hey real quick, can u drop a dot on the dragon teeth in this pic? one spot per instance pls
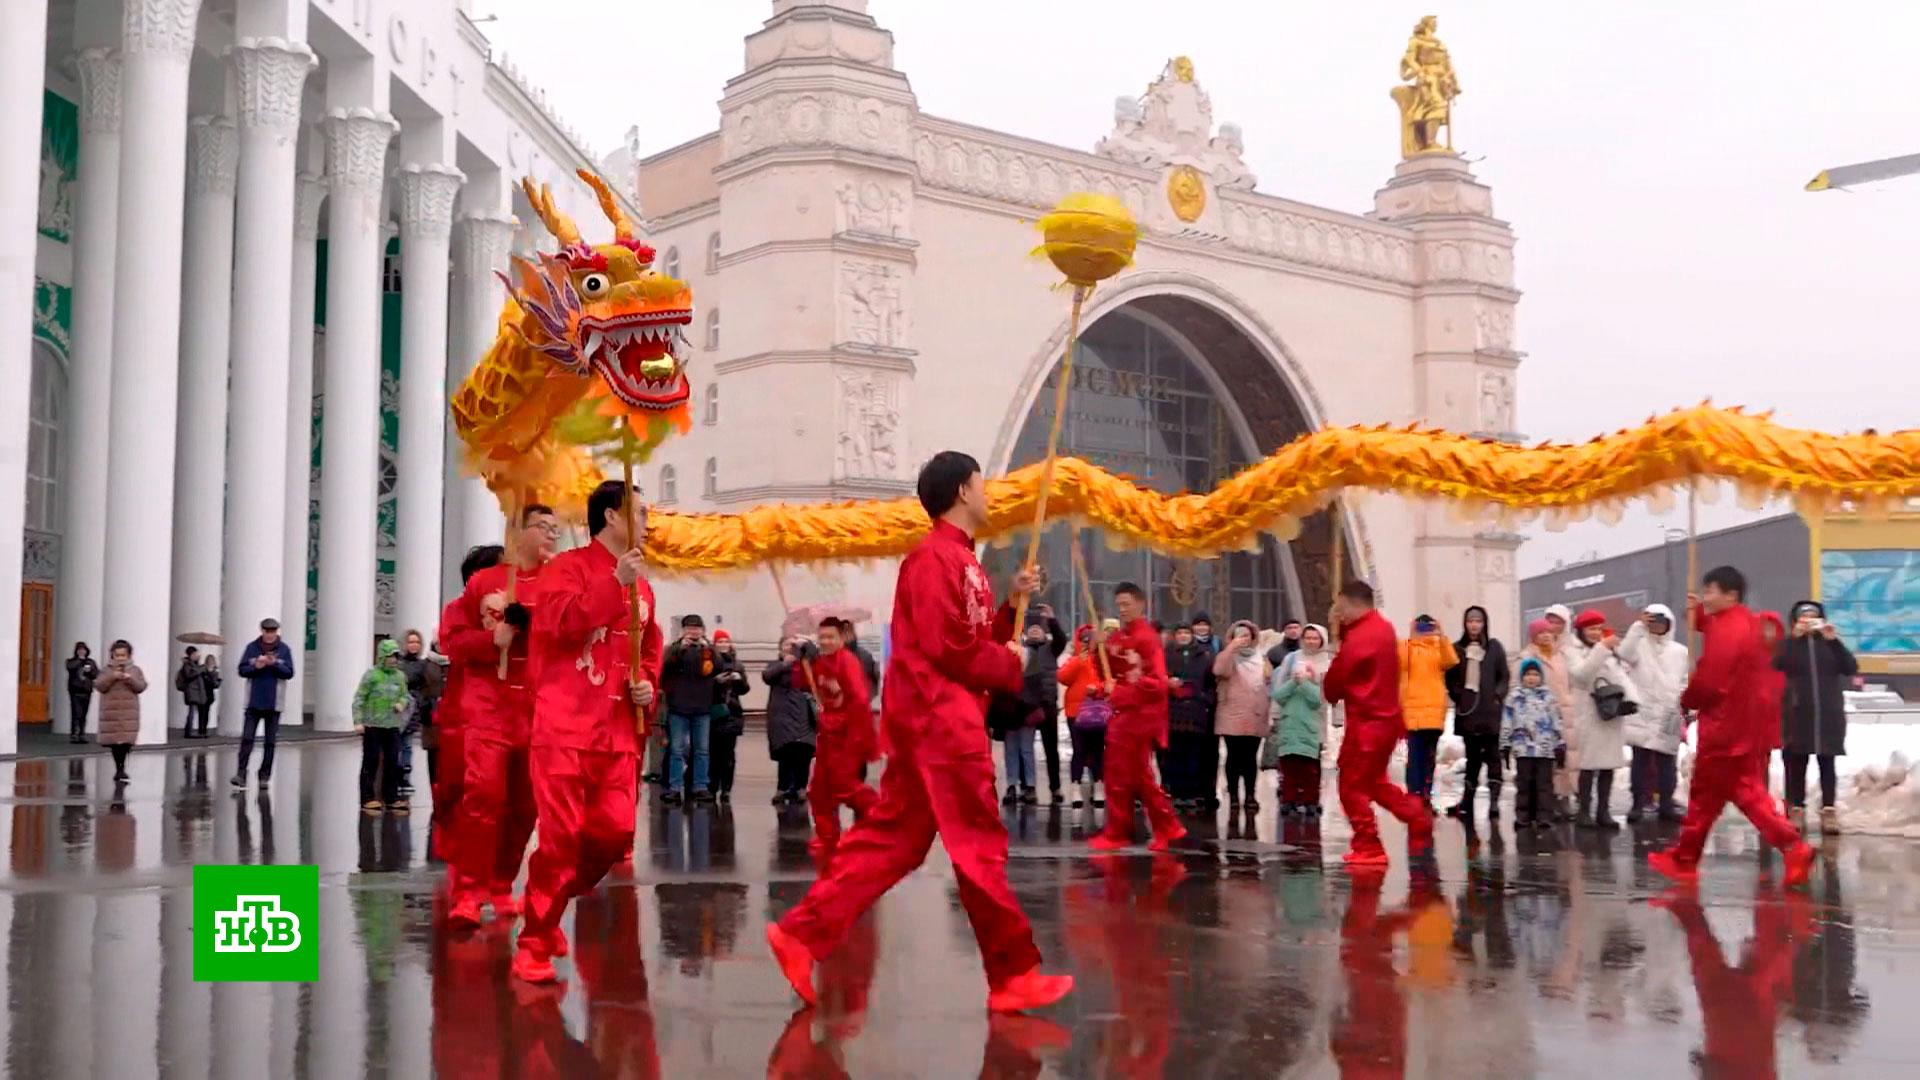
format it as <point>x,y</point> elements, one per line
<point>594,340</point>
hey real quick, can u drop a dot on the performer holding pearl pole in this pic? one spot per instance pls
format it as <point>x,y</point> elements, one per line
<point>947,654</point>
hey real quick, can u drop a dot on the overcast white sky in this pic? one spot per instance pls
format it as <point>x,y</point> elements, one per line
<point>1649,155</point>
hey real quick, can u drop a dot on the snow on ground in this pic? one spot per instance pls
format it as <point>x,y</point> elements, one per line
<point>1879,787</point>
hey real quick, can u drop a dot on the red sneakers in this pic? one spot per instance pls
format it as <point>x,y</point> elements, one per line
<point>1104,842</point>
<point>465,914</point>
<point>1665,863</point>
<point>1799,865</point>
<point>1163,841</point>
<point>796,963</point>
<point>1029,990</point>
<point>530,967</point>
<point>1365,858</point>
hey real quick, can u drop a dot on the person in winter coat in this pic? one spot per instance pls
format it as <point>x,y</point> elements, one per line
<point>1819,667</point>
<point>687,677</point>
<point>1042,691</point>
<point>120,685</point>
<point>1084,679</point>
<point>1290,635</point>
<point>729,715</point>
<point>1190,697</point>
<point>82,670</point>
<point>1547,637</point>
<point>1477,685</point>
<point>381,708</point>
<point>1302,724</point>
<point>266,664</point>
<point>1425,659</point>
<point>1244,713</point>
<point>1531,729</point>
<point>1593,661</point>
<point>196,680</point>
<point>792,717</point>
<point>1658,665</point>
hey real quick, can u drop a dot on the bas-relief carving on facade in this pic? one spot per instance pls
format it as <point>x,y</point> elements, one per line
<point>1493,327</point>
<point>1496,565</point>
<point>868,426</point>
<point>817,119</point>
<point>1496,401</point>
<point>873,308</point>
<point>874,208</point>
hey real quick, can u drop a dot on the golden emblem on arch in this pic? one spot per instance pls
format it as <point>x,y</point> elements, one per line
<point>1184,585</point>
<point>1187,193</point>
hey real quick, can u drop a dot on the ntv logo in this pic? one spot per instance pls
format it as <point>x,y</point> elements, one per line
<point>256,924</point>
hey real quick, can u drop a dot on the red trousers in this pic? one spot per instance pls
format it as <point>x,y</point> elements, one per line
<point>1718,781</point>
<point>586,805</point>
<point>496,818</point>
<point>837,783</point>
<point>1129,776</point>
<point>1363,782</point>
<point>450,783</point>
<point>925,792</point>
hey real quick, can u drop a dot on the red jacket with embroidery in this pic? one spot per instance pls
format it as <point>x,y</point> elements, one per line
<point>948,650</point>
<point>447,716</point>
<point>1365,674</point>
<point>846,703</point>
<point>1139,663</point>
<point>582,654</point>
<point>1732,686</point>
<point>491,706</point>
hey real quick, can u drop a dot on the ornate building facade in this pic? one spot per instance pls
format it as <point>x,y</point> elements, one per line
<point>259,244</point>
<point>866,299</point>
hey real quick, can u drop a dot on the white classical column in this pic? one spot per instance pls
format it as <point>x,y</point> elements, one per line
<point>83,467</point>
<point>23,58</point>
<point>200,449</point>
<point>268,74</point>
<point>487,243</point>
<point>350,409</point>
<point>309,196</point>
<point>426,226</point>
<point>156,45</point>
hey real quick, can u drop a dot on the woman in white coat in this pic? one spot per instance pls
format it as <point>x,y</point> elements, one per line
<point>1593,658</point>
<point>1658,665</point>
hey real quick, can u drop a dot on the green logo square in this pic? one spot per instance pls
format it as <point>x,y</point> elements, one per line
<point>256,923</point>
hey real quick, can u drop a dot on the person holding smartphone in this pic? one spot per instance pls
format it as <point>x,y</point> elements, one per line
<point>1425,658</point>
<point>1819,667</point>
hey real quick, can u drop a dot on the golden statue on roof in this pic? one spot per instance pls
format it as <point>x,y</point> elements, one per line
<point>1426,105</point>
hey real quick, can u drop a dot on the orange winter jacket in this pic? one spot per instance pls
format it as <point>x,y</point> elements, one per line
<point>1423,681</point>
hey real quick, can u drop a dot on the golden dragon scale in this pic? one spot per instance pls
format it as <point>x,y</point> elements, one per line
<point>1759,457</point>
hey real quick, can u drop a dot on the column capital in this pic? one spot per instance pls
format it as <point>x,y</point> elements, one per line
<point>426,199</point>
<point>99,90</point>
<point>162,28</point>
<point>357,149</point>
<point>489,238</point>
<point>309,193</point>
<point>214,155</point>
<point>269,73</point>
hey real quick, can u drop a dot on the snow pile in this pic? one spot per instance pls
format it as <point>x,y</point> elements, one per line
<point>1883,799</point>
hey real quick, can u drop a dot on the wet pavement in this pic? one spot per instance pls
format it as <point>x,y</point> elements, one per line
<point>1251,954</point>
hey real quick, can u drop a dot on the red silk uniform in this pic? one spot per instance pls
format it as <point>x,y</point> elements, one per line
<point>1137,728</point>
<point>496,801</point>
<point>450,783</point>
<point>843,746</point>
<point>947,654</point>
<point>1731,690</point>
<point>584,738</point>
<point>1365,674</point>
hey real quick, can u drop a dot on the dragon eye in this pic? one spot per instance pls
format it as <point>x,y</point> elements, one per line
<point>595,285</point>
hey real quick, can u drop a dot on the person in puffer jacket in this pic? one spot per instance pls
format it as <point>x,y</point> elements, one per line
<point>1658,665</point>
<point>1593,659</point>
<point>1531,728</point>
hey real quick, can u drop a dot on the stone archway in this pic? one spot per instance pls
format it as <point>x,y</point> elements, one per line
<point>1177,388</point>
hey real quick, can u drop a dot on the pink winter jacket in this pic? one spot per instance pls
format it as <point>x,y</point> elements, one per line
<point>1242,705</point>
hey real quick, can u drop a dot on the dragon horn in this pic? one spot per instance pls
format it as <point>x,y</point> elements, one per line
<point>622,225</point>
<point>555,219</point>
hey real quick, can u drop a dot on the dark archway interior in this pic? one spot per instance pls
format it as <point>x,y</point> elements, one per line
<point>1140,407</point>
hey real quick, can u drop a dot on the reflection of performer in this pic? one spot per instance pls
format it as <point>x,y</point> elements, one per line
<point>619,1019</point>
<point>496,801</point>
<point>583,759</point>
<point>1123,934</point>
<point>939,780</point>
<point>1731,691</point>
<point>846,977</point>
<point>450,779</point>
<point>845,742</point>
<point>1370,1032</point>
<point>471,1008</point>
<point>1739,1006</point>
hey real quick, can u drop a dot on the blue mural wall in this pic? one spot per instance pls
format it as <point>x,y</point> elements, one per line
<point>1873,598</point>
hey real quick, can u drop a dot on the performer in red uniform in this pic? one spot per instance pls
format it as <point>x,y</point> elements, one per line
<point>497,801</point>
<point>1731,690</point>
<point>450,780</point>
<point>845,742</point>
<point>939,779</point>
<point>1366,675</point>
<point>586,738</point>
<point>1138,726</point>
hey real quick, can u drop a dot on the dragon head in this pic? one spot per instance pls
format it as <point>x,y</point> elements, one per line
<point>602,309</point>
